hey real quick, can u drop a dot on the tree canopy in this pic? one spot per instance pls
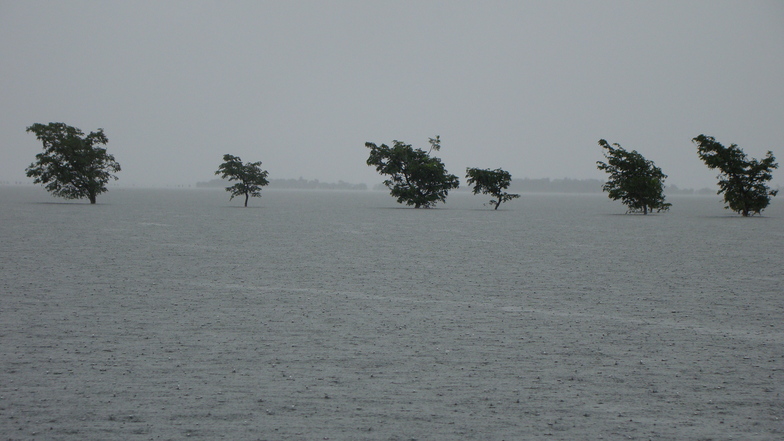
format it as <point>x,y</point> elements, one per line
<point>416,178</point>
<point>249,176</point>
<point>633,179</point>
<point>72,166</point>
<point>743,181</point>
<point>492,182</point>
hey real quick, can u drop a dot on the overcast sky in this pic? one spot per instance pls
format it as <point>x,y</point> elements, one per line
<point>528,86</point>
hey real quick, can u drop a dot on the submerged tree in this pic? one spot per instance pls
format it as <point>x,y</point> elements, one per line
<point>633,179</point>
<point>250,177</point>
<point>743,181</point>
<point>416,178</point>
<point>72,166</point>
<point>492,182</point>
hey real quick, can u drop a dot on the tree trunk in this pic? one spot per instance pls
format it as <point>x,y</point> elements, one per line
<point>644,209</point>
<point>246,199</point>
<point>498,203</point>
<point>91,196</point>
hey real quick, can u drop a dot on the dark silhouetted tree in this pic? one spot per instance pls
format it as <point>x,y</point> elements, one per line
<point>743,181</point>
<point>72,166</point>
<point>416,178</point>
<point>636,181</point>
<point>492,182</point>
<point>250,177</point>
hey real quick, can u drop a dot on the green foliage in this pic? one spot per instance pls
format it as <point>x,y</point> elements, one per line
<point>72,166</point>
<point>492,182</point>
<point>416,178</point>
<point>742,181</point>
<point>633,179</point>
<point>250,177</point>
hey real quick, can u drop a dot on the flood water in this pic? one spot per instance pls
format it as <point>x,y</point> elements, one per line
<point>195,266</point>
<point>552,245</point>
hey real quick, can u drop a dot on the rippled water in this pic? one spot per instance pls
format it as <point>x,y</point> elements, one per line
<point>150,289</point>
<point>557,246</point>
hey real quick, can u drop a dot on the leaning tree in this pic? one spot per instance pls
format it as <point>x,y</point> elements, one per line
<point>743,181</point>
<point>249,176</point>
<point>72,166</point>
<point>636,181</point>
<point>492,182</point>
<point>416,178</point>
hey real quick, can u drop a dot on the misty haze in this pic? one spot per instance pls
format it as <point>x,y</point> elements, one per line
<point>327,310</point>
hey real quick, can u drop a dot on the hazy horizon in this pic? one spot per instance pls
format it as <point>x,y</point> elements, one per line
<point>556,186</point>
<point>526,86</point>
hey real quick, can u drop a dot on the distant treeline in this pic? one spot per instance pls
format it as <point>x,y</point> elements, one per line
<point>673,189</point>
<point>547,185</point>
<point>567,185</point>
<point>544,185</point>
<point>525,185</point>
<point>293,184</point>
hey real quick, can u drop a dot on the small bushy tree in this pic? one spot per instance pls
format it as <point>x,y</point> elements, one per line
<point>743,181</point>
<point>636,181</point>
<point>250,177</point>
<point>492,182</point>
<point>72,166</point>
<point>416,178</point>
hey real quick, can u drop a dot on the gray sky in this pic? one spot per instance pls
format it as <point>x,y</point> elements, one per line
<point>528,86</point>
